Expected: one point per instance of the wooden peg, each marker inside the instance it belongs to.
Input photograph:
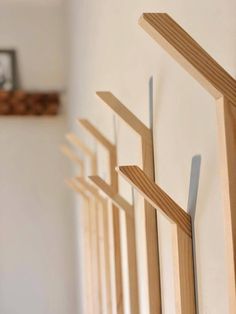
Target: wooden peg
(124, 113)
(157, 197)
(182, 221)
(222, 86)
(153, 269)
(186, 51)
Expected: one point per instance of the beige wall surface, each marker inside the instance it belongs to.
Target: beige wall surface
(37, 247)
(37, 32)
(109, 51)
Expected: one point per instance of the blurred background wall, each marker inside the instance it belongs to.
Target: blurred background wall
(37, 237)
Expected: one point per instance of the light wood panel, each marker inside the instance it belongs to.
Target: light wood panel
(115, 211)
(222, 86)
(145, 133)
(184, 261)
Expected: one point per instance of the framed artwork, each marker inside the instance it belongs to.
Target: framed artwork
(7, 69)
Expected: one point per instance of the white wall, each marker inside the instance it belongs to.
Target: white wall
(109, 51)
(37, 232)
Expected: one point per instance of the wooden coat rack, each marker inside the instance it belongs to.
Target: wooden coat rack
(222, 86)
(188, 53)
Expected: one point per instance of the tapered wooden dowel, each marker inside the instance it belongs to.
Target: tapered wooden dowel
(153, 267)
(222, 86)
(161, 201)
(131, 241)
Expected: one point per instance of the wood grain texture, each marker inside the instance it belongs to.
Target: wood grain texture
(157, 197)
(153, 267)
(186, 51)
(115, 211)
(222, 86)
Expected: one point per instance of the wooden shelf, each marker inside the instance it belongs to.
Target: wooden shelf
(28, 103)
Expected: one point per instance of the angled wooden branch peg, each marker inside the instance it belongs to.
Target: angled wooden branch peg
(118, 202)
(222, 86)
(145, 133)
(160, 200)
(115, 212)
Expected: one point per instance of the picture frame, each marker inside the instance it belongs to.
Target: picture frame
(8, 80)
